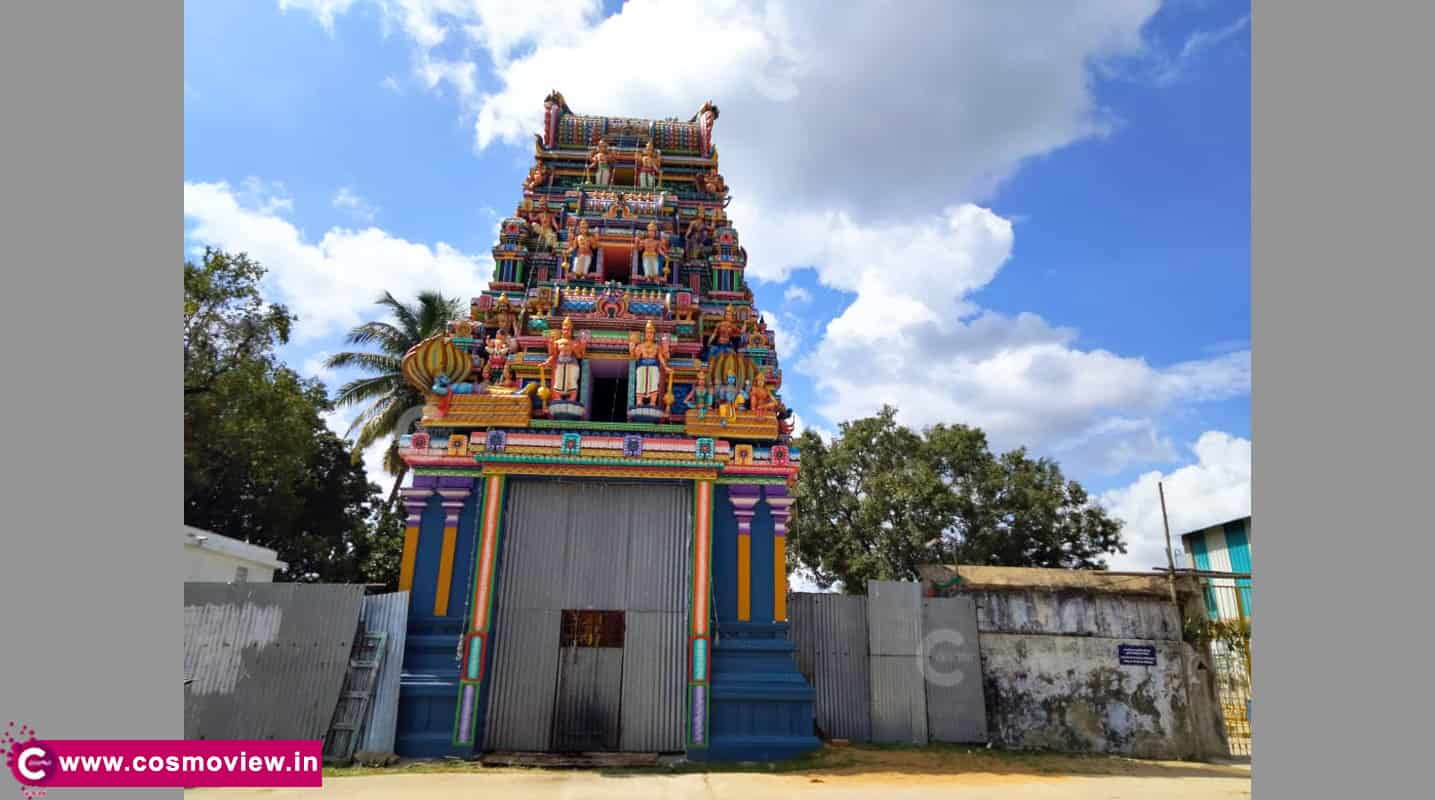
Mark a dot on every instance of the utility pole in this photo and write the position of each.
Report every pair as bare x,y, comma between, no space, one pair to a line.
1180,617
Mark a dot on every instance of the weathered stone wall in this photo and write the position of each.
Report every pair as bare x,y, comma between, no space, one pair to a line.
1053,680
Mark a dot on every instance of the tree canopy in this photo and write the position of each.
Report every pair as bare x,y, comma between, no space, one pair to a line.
881,499
260,465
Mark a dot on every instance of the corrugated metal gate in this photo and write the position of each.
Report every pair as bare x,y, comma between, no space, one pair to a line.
891,666
591,545
830,631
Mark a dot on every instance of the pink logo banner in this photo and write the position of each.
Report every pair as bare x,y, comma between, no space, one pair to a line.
165,763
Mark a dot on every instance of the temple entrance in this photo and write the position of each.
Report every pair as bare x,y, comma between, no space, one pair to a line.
591,617
590,681
610,399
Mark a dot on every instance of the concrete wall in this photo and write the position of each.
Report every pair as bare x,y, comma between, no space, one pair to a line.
1053,679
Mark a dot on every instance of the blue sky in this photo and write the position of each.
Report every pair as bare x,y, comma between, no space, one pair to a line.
1034,218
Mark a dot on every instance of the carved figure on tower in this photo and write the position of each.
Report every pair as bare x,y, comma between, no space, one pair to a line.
725,336
761,400
701,395
545,226
581,248
504,317
650,362
563,354
601,162
498,349
652,249
537,177
650,165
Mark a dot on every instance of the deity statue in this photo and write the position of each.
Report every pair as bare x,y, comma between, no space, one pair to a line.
713,183
504,316
651,247
651,361
546,227
537,176
601,161
498,349
650,164
725,335
761,400
582,248
563,354
729,397
700,396
694,231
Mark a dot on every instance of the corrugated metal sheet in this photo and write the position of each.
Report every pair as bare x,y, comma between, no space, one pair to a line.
590,690
267,660
956,707
894,626
597,545
386,613
899,703
894,614
654,667
531,571
660,540
830,633
598,523
524,674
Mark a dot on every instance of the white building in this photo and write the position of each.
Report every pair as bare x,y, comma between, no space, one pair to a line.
211,558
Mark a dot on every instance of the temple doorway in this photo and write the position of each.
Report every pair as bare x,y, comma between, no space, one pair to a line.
591,616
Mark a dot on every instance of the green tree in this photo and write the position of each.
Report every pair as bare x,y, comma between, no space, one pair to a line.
881,499
387,395
259,463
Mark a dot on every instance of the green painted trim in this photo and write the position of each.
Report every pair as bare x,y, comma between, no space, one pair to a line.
635,427
484,458
481,491
449,472
752,480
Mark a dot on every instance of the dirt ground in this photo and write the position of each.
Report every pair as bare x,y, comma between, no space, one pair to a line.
836,772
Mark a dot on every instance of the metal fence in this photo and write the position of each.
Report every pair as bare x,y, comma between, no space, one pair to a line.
892,666
1228,604
266,660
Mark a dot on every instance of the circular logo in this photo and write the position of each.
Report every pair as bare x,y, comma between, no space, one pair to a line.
34,763
941,663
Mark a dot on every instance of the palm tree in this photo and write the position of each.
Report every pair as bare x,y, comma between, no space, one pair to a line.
387,394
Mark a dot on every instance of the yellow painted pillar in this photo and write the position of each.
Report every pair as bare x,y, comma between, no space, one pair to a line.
453,500
744,501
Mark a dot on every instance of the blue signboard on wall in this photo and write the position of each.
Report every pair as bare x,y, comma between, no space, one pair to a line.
1136,655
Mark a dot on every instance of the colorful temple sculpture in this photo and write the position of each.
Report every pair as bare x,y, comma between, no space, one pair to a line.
602,474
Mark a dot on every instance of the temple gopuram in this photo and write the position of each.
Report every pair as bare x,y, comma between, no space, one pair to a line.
595,546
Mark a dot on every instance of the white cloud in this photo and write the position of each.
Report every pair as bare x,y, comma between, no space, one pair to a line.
323,10
1216,488
390,82
313,367
331,283
1166,70
796,294
338,421
347,199
858,145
